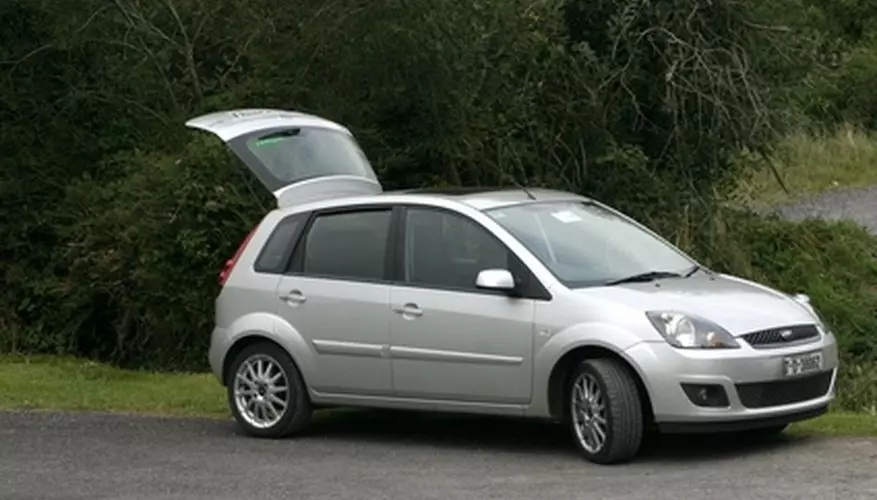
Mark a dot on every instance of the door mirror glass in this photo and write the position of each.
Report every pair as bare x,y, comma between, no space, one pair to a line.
495,279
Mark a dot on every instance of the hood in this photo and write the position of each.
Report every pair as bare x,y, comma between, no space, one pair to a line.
738,305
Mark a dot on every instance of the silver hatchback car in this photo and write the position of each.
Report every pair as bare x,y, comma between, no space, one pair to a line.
516,302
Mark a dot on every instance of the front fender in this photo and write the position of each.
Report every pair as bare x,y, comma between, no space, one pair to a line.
592,334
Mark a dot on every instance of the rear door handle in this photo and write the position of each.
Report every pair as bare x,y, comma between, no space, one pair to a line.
410,310
294,297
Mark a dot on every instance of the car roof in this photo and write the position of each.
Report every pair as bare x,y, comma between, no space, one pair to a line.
488,198
478,198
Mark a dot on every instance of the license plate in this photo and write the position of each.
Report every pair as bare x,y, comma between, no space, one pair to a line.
802,364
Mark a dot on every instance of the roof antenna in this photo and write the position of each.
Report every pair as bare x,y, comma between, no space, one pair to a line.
524,189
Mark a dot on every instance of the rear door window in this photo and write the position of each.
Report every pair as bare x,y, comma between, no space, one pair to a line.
349,245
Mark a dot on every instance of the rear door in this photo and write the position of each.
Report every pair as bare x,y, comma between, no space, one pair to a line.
337,296
298,157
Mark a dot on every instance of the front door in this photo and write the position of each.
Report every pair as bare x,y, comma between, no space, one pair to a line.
449,340
337,297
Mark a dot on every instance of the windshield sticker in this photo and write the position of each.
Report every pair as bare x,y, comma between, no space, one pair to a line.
566,216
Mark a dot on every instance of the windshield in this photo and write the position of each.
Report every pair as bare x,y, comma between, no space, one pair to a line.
584,244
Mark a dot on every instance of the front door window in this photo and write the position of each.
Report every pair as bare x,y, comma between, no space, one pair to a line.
445,250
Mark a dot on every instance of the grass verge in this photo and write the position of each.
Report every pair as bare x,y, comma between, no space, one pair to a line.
61,383
839,423
812,162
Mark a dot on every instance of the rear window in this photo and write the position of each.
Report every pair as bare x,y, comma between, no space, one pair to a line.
285,156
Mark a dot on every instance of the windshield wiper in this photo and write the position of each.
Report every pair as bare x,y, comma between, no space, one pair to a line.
644,277
695,268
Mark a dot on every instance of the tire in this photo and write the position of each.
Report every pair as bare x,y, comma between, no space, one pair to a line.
616,410
256,390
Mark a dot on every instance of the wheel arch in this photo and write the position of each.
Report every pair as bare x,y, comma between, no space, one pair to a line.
562,370
250,339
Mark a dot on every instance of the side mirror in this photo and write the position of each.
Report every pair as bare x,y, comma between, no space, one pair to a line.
495,279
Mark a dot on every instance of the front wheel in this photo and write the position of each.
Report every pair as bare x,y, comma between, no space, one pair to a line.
605,414
266,393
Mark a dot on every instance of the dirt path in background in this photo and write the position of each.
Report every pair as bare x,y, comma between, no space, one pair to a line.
856,204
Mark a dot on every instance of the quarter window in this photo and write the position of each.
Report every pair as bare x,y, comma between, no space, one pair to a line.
351,245
275,254
446,250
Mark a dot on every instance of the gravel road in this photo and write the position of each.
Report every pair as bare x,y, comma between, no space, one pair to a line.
856,204
377,455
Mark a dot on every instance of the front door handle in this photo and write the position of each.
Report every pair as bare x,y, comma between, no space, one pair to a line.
409,310
294,297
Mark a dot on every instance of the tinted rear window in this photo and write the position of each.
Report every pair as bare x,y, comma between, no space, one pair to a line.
351,245
278,249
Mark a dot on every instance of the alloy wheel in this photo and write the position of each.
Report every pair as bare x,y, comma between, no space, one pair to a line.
589,413
261,391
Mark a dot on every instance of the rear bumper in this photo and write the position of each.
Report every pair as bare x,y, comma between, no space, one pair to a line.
219,344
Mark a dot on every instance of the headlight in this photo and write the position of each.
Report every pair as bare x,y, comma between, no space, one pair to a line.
690,332
817,318
805,302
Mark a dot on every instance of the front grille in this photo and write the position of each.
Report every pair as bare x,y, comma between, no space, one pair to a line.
784,392
778,337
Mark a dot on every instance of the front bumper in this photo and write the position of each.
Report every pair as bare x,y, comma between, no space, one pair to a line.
757,393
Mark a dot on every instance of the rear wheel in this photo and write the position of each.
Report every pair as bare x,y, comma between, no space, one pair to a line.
266,393
604,411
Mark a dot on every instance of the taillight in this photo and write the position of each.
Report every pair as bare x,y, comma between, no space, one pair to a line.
230,263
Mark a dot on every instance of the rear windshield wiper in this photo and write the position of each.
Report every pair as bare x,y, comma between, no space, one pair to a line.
644,277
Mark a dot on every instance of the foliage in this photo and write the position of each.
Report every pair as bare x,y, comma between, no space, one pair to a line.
148,245
118,217
810,163
846,93
837,39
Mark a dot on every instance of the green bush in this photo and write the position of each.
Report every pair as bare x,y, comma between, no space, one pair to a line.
845,92
142,258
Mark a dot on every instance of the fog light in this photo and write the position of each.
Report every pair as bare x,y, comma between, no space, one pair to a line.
708,395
